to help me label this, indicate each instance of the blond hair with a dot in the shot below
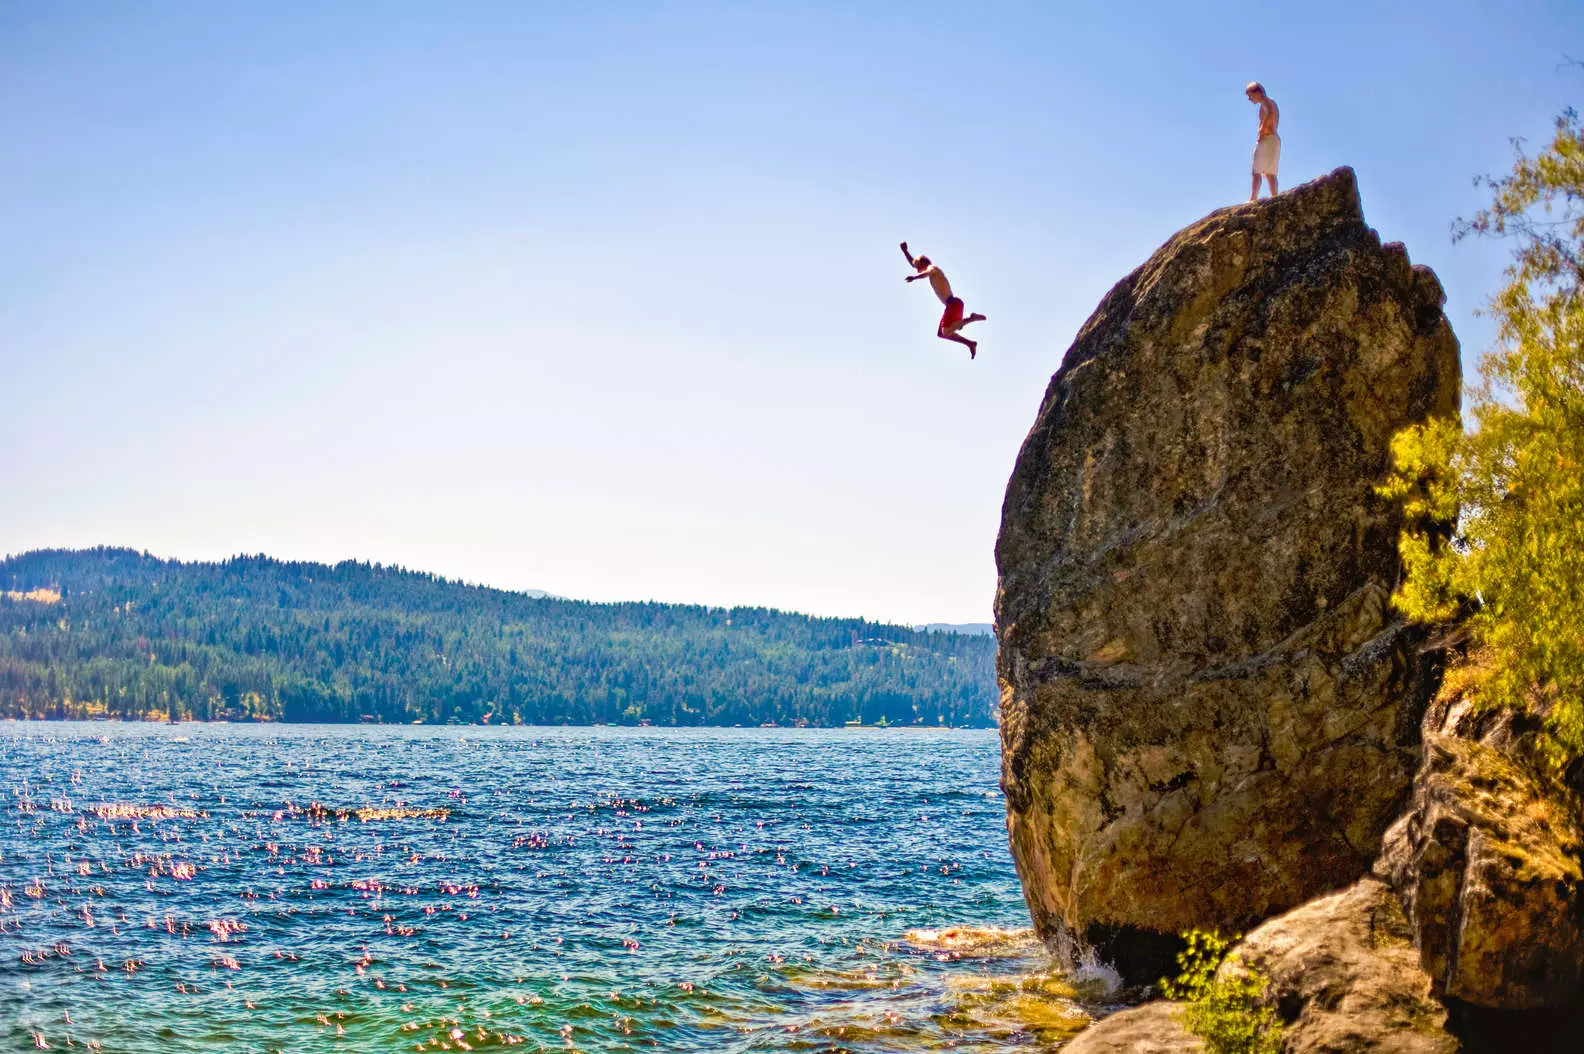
(1254, 86)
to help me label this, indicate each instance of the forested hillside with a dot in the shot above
(113, 632)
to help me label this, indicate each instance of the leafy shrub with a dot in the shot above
(1228, 1012)
(1514, 482)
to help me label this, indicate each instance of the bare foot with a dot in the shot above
(976, 317)
(973, 349)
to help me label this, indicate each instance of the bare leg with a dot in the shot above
(972, 346)
(975, 317)
(1254, 191)
(1272, 179)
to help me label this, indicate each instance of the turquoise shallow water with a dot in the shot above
(290, 888)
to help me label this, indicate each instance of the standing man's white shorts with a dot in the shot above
(1267, 153)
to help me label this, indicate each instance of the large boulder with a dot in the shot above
(1487, 862)
(1209, 712)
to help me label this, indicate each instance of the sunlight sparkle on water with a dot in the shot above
(431, 889)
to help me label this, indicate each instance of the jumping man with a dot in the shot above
(952, 318)
(1267, 151)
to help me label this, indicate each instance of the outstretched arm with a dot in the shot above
(908, 256)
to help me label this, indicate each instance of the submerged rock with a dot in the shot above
(1209, 712)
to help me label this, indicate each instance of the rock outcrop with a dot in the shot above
(1487, 862)
(1344, 976)
(1209, 712)
(1154, 1028)
(1341, 972)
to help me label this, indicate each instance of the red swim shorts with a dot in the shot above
(952, 317)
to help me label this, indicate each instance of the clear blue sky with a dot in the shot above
(605, 298)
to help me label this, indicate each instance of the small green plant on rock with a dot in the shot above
(1228, 1012)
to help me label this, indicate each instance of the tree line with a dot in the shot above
(115, 633)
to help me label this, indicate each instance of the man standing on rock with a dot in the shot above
(1267, 152)
(952, 318)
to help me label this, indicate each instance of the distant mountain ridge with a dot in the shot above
(978, 628)
(113, 632)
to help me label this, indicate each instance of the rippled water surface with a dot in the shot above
(291, 888)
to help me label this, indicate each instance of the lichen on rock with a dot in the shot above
(1210, 712)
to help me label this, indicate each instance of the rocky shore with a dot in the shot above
(1212, 717)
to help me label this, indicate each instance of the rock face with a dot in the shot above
(1344, 975)
(1341, 971)
(1487, 862)
(1209, 712)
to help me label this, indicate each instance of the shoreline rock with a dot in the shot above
(1487, 863)
(1151, 1028)
(1341, 972)
(1344, 976)
(1209, 712)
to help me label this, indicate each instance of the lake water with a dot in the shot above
(291, 888)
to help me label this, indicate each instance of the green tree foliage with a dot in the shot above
(1514, 482)
(1226, 1007)
(114, 633)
